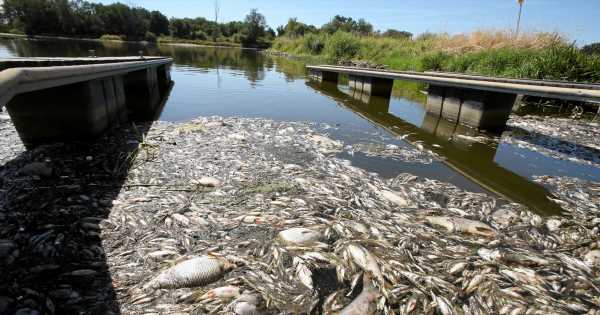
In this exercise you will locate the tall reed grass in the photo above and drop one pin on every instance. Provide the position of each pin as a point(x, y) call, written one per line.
point(499, 53)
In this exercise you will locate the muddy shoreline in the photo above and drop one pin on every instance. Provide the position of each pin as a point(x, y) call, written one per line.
point(90, 229)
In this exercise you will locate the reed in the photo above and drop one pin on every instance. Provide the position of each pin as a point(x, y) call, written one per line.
point(494, 52)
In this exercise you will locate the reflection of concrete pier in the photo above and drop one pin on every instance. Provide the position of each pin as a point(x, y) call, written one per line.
point(473, 160)
point(83, 98)
point(475, 101)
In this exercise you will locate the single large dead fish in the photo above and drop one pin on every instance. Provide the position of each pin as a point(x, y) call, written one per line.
point(462, 225)
point(192, 273)
point(299, 236)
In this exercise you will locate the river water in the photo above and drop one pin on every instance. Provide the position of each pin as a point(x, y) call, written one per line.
point(233, 82)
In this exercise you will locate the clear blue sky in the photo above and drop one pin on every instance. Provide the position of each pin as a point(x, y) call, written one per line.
point(578, 19)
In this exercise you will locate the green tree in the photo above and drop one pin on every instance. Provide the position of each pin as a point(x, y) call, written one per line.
point(159, 24)
point(397, 34)
point(255, 28)
point(294, 28)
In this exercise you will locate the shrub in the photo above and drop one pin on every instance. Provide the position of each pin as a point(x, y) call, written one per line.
point(200, 35)
point(434, 62)
point(564, 62)
point(112, 37)
point(313, 44)
point(150, 37)
point(591, 49)
point(342, 45)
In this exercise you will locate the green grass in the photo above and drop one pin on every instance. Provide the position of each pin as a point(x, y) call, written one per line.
point(537, 56)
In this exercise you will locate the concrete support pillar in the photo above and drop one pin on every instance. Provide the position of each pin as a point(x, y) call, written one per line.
point(474, 108)
point(143, 93)
point(372, 86)
point(75, 111)
point(323, 76)
point(163, 74)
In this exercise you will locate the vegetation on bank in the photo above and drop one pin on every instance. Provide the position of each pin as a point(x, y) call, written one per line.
point(121, 22)
point(499, 53)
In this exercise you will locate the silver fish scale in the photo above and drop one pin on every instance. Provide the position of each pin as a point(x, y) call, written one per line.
point(190, 273)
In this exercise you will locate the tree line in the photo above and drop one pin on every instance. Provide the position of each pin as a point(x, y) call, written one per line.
point(295, 28)
point(78, 18)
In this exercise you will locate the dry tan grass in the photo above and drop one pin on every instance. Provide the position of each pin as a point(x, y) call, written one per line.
point(482, 40)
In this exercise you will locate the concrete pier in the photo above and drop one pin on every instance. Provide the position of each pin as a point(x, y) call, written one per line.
point(475, 101)
point(323, 76)
point(371, 86)
point(474, 108)
point(83, 100)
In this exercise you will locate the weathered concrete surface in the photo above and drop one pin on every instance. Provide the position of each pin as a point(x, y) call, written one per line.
point(474, 108)
point(321, 76)
point(371, 86)
point(82, 101)
point(550, 89)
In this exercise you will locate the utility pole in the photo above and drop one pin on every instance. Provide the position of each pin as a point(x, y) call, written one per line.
point(217, 9)
point(520, 2)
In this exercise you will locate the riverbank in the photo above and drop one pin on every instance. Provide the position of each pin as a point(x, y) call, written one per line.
point(495, 53)
point(160, 41)
point(281, 224)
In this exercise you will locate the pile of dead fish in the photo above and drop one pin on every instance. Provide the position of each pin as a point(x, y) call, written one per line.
point(251, 216)
point(403, 153)
point(560, 138)
point(584, 133)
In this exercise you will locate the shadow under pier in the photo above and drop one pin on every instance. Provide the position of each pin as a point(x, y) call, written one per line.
point(53, 198)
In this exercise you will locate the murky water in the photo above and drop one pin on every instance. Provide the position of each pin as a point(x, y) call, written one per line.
point(233, 82)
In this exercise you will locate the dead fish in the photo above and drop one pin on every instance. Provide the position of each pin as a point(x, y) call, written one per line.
point(193, 272)
point(394, 198)
point(209, 182)
point(592, 258)
point(523, 275)
point(462, 225)
point(246, 304)
point(364, 303)
point(303, 273)
point(458, 268)
point(299, 236)
point(223, 293)
point(365, 260)
point(553, 225)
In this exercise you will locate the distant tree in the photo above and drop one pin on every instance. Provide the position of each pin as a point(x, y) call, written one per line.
point(255, 28)
point(181, 28)
point(270, 34)
point(294, 28)
point(159, 24)
point(397, 34)
point(33, 16)
point(339, 22)
point(84, 18)
point(363, 27)
point(347, 24)
point(280, 30)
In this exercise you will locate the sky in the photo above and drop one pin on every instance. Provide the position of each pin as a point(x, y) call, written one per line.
point(577, 19)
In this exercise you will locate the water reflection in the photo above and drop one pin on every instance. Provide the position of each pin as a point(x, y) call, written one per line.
point(473, 160)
